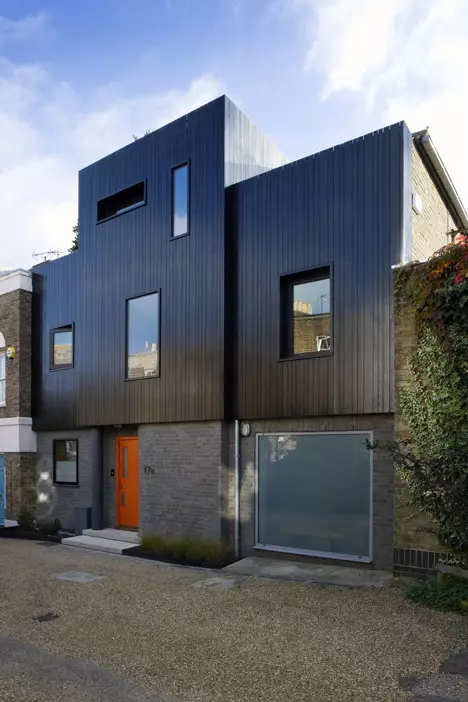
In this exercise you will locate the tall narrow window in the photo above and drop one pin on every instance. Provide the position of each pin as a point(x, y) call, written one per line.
point(2, 372)
point(306, 313)
point(180, 200)
point(61, 347)
point(66, 462)
point(143, 336)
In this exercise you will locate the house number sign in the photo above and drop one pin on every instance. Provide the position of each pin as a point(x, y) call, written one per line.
point(148, 470)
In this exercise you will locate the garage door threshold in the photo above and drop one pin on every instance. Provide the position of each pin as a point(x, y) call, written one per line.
point(309, 573)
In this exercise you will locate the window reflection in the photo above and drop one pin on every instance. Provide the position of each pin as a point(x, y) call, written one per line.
point(180, 202)
point(143, 336)
point(311, 317)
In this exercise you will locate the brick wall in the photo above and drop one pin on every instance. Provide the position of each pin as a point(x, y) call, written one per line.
point(184, 495)
point(15, 325)
point(59, 501)
point(383, 476)
point(429, 228)
point(20, 483)
point(306, 329)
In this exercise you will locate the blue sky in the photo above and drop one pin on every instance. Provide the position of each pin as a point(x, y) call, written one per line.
point(77, 79)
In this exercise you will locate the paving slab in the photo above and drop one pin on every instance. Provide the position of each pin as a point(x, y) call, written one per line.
point(77, 576)
point(295, 571)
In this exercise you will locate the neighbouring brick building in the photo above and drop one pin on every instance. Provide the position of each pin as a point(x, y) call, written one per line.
point(17, 440)
point(218, 354)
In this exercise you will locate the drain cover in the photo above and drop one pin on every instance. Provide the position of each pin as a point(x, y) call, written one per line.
point(76, 576)
point(46, 617)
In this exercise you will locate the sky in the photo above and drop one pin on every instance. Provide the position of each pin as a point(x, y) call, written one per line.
point(78, 79)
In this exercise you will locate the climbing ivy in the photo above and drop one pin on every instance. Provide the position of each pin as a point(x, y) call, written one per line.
point(433, 461)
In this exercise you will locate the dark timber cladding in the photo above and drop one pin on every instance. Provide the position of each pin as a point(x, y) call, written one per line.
point(125, 251)
point(133, 254)
point(344, 208)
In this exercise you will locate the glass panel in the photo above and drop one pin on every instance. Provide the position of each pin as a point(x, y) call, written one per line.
point(143, 336)
point(124, 462)
point(311, 317)
point(65, 462)
point(314, 492)
point(63, 348)
point(180, 201)
point(122, 499)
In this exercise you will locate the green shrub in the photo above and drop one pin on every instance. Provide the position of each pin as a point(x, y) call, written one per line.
point(26, 520)
point(50, 528)
point(189, 548)
point(448, 594)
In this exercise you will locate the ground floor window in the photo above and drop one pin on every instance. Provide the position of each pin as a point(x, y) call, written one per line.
point(66, 462)
point(314, 494)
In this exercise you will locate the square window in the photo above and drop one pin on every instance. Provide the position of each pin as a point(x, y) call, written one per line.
point(306, 313)
point(61, 347)
point(180, 201)
point(143, 337)
point(66, 462)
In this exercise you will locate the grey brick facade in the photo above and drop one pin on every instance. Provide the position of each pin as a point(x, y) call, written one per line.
point(430, 228)
point(59, 501)
point(184, 495)
point(383, 476)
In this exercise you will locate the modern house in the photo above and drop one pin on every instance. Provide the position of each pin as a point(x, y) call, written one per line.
point(217, 356)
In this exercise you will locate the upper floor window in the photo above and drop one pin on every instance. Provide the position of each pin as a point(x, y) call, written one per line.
point(121, 202)
point(61, 347)
point(143, 336)
point(2, 371)
point(306, 313)
point(180, 200)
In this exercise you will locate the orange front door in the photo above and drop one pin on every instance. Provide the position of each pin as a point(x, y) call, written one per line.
point(127, 482)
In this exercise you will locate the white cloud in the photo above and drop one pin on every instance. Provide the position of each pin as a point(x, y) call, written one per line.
point(49, 131)
point(407, 59)
point(33, 26)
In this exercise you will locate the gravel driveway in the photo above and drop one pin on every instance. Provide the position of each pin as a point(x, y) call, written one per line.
point(150, 632)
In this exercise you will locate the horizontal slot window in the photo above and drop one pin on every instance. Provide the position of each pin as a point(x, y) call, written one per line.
point(121, 202)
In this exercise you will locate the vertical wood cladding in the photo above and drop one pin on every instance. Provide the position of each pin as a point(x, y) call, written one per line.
point(342, 207)
point(133, 254)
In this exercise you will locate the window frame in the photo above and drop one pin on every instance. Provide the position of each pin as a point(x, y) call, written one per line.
point(61, 366)
point(127, 300)
point(286, 324)
point(3, 380)
point(303, 552)
point(189, 198)
point(127, 209)
point(54, 471)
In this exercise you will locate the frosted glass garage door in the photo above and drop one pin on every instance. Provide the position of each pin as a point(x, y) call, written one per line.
point(314, 493)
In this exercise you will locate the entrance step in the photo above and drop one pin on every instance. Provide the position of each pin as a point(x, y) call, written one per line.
point(129, 537)
point(95, 543)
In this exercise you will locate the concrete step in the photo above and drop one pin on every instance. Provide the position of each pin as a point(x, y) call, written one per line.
point(130, 537)
point(96, 544)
